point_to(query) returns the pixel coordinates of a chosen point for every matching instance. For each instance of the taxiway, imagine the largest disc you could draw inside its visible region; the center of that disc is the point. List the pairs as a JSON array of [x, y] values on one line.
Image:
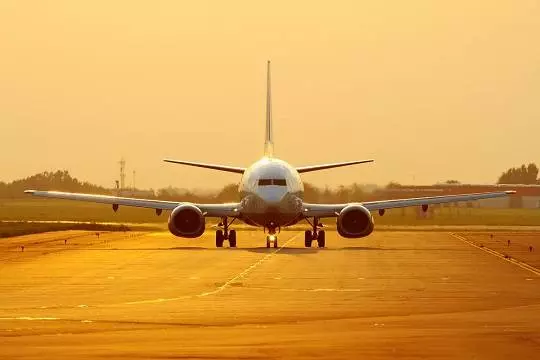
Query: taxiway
[[151, 295]]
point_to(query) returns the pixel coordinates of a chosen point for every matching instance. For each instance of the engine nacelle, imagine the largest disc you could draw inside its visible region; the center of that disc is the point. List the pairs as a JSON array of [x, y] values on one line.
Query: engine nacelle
[[355, 221], [187, 221]]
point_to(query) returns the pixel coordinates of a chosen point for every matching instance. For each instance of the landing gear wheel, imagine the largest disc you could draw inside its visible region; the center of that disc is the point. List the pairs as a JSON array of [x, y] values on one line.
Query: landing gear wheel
[[307, 238], [219, 238], [321, 239], [275, 242], [267, 242], [232, 238]]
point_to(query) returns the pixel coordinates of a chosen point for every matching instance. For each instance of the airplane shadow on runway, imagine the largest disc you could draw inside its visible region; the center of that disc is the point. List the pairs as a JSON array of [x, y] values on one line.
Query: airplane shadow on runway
[[261, 250], [301, 251], [265, 250]]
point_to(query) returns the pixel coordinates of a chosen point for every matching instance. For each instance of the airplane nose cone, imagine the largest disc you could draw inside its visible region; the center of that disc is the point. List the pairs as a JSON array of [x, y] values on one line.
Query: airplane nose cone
[[273, 195]]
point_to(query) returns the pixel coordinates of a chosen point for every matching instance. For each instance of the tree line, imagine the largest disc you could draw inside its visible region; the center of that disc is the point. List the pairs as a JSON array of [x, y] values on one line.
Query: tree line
[[525, 174], [61, 180]]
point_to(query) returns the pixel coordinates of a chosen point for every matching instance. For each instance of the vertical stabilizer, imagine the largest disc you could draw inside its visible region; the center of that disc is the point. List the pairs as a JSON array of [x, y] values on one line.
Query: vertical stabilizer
[[268, 140]]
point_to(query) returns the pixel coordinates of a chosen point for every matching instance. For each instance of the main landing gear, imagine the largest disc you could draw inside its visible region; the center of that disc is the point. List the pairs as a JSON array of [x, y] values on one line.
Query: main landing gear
[[225, 233], [315, 234]]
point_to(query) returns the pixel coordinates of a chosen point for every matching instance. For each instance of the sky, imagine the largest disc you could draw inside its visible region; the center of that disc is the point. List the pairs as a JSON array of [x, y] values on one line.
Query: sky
[[431, 90]]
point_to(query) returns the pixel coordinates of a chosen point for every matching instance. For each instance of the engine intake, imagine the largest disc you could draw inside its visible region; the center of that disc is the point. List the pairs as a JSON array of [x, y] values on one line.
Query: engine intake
[[355, 221], [187, 221]]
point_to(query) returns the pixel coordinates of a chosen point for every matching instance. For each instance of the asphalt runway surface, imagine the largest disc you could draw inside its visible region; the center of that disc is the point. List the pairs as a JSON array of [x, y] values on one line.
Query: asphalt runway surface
[[143, 295]]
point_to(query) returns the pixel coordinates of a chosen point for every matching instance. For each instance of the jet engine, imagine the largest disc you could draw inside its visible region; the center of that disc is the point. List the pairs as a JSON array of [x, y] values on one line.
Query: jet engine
[[355, 221], [187, 221]]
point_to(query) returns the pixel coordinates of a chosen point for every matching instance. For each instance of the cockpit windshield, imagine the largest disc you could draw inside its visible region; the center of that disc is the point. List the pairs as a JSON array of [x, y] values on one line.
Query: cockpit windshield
[[267, 182]]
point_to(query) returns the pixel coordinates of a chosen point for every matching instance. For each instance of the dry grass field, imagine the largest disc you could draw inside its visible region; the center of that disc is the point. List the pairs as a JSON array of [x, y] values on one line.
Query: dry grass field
[[58, 210]]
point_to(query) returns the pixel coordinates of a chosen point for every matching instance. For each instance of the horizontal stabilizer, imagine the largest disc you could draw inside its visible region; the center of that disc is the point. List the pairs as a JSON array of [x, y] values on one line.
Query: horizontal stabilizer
[[304, 169], [233, 169]]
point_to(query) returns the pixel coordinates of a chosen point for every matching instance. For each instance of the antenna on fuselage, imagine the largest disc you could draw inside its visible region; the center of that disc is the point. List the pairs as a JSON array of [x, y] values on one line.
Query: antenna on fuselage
[[268, 141]]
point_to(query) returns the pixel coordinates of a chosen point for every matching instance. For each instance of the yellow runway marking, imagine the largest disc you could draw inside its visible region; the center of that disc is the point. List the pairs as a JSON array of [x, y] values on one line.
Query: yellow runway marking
[[499, 255], [225, 285]]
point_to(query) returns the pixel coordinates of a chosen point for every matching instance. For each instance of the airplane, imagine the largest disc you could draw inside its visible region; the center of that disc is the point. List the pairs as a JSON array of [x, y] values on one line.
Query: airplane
[[271, 193]]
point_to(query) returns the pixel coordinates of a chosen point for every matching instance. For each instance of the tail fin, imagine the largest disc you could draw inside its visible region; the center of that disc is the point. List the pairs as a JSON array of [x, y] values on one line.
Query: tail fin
[[268, 140]]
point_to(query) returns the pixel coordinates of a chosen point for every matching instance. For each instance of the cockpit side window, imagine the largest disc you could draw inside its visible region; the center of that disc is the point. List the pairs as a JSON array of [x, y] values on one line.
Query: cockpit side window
[[278, 182]]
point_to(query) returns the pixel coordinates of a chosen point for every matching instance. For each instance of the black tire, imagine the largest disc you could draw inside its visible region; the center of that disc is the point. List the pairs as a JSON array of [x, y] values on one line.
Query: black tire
[[307, 238], [321, 239], [275, 242], [232, 238], [267, 243], [219, 238]]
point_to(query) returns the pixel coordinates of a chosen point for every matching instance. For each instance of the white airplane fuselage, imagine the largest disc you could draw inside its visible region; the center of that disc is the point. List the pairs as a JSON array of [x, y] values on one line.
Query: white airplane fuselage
[[271, 193]]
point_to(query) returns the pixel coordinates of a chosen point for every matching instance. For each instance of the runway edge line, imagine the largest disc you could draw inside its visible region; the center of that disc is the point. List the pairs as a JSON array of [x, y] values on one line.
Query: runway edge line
[[499, 255]]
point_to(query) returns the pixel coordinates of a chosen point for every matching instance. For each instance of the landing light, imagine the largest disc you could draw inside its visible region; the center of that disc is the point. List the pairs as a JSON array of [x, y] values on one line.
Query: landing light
[[272, 237]]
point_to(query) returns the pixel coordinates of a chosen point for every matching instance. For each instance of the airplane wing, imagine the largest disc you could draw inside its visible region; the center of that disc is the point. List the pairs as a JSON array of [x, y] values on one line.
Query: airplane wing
[[331, 210], [210, 210], [303, 169], [233, 169]]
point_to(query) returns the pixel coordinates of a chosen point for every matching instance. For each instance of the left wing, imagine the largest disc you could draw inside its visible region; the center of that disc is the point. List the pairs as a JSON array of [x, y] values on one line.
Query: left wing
[[211, 210], [331, 210]]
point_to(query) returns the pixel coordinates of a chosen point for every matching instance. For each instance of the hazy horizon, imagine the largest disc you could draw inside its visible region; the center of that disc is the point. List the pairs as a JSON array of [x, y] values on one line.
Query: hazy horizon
[[432, 91]]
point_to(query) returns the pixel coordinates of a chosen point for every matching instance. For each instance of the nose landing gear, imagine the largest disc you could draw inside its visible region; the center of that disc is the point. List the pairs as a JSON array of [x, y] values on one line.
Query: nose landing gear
[[225, 234], [271, 238], [315, 234]]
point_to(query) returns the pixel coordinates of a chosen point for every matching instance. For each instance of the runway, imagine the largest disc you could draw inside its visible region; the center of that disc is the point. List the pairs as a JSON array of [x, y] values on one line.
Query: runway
[[150, 295]]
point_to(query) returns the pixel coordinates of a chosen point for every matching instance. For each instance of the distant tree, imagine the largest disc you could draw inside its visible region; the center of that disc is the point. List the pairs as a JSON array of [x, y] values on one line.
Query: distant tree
[[58, 180], [326, 196], [356, 192], [452, 182], [393, 185], [311, 193], [342, 194], [520, 175], [228, 194]]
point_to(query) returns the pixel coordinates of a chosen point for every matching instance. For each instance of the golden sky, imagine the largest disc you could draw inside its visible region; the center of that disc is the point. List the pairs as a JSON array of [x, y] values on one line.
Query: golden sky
[[432, 90]]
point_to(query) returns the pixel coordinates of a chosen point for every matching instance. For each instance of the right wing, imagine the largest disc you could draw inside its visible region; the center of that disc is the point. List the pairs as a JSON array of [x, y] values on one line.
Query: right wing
[[233, 169], [211, 210], [332, 210]]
